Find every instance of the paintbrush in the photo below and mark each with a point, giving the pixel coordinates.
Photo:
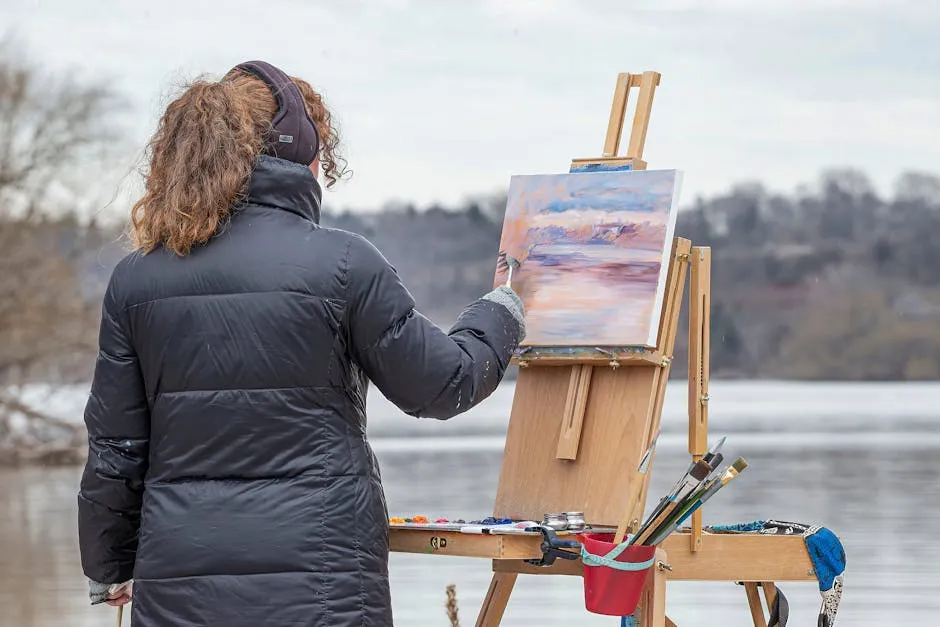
(695, 504)
(675, 488)
(739, 466)
(688, 485)
(714, 462)
(680, 512)
(711, 480)
(711, 453)
(683, 507)
(708, 458)
(648, 455)
(511, 262)
(684, 480)
(716, 484)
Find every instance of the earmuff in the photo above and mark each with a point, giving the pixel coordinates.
(293, 135)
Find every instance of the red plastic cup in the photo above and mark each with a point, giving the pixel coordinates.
(613, 588)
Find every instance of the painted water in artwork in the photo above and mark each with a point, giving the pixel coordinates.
(592, 249)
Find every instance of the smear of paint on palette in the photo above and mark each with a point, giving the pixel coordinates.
(593, 248)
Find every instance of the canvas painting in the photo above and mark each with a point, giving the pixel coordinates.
(592, 250)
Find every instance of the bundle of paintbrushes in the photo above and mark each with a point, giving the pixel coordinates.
(700, 482)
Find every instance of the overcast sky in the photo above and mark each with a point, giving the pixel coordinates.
(439, 99)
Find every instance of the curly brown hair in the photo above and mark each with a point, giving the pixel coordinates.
(202, 155)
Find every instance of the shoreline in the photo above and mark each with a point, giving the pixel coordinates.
(738, 406)
(51, 456)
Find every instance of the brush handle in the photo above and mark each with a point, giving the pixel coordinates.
(685, 516)
(689, 484)
(706, 494)
(642, 538)
(671, 496)
(690, 492)
(667, 531)
(686, 486)
(663, 503)
(711, 491)
(683, 503)
(681, 513)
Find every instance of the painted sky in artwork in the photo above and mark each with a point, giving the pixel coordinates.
(592, 251)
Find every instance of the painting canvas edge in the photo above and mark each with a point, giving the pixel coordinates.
(657, 312)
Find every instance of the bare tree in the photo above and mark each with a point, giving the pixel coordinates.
(54, 134)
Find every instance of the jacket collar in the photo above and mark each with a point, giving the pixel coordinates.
(285, 185)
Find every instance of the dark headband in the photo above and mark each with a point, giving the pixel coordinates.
(293, 135)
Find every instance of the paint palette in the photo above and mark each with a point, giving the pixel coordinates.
(593, 248)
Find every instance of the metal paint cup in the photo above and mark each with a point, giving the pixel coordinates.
(575, 521)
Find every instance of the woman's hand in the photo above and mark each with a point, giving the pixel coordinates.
(505, 296)
(120, 594)
(114, 595)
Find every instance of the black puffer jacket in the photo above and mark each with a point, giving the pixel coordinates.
(228, 469)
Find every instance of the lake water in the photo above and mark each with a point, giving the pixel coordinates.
(861, 459)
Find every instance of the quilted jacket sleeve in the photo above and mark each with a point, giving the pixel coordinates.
(118, 420)
(416, 365)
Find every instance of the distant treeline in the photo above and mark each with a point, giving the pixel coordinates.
(833, 283)
(830, 282)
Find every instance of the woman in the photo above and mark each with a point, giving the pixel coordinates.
(228, 472)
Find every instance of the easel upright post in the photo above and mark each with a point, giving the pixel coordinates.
(579, 382)
(653, 602)
(675, 282)
(618, 111)
(699, 353)
(644, 106)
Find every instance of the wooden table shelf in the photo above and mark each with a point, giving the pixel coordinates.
(722, 557)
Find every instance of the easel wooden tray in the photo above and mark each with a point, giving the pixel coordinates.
(722, 557)
(595, 356)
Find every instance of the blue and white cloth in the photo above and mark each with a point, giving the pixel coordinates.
(825, 552)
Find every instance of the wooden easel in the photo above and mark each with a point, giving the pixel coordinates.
(608, 414)
(583, 419)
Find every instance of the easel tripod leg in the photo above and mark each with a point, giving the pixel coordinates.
(497, 598)
(654, 597)
(770, 593)
(753, 600)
